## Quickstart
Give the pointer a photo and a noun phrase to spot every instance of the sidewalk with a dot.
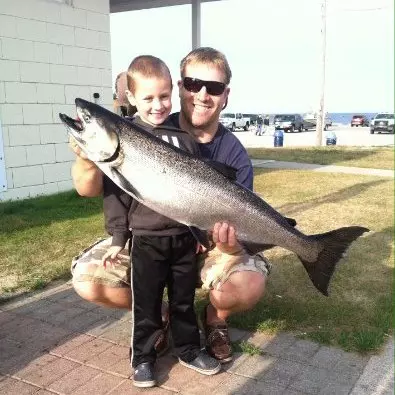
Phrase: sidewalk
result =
(55, 342)
(274, 164)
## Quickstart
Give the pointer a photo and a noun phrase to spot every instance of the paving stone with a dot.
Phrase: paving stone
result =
(14, 356)
(336, 388)
(74, 379)
(40, 336)
(263, 388)
(238, 334)
(43, 392)
(311, 380)
(64, 316)
(50, 293)
(238, 359)
(260, 339)
(9, 328)
(46, 311)
(282, 372)
(109, 357)
(301, 350)
(81, 322)
(11, 386)
(18, 302)
(101, 384)
(30, 308)
(101, 326)
(6, 317)
(119, 333)
(352, 361)
(278, 344)
(326, 357)
(255, 366)
(233, 384)
(203, 384)
(71, 297)
(127, 388)
(88, 350)
(46, 370)
(121, 368)
(71, 343)
(64, 295)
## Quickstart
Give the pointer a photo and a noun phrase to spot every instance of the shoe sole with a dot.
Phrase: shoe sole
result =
(202, 371)
(144, 384)
(225, 360)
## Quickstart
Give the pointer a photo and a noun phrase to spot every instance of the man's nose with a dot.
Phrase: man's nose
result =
(202, 94)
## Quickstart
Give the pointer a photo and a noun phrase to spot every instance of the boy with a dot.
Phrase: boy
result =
(162, 251)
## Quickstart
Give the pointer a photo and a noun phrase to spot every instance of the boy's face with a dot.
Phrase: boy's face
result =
(152, 97)
(202, 109)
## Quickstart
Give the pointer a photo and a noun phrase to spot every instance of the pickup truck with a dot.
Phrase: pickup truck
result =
(383, 122)
(234, 121)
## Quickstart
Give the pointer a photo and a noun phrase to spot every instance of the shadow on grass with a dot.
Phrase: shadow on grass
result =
(19, 215)
(333, 198)
(357, 315)
(318, 155)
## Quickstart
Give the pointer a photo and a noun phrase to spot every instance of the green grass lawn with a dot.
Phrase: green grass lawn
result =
(378, 158)
(39, 237)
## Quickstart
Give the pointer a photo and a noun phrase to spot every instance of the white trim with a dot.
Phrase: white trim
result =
(3, 176)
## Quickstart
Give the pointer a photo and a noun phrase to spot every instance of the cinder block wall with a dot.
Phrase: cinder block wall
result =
(50, 53)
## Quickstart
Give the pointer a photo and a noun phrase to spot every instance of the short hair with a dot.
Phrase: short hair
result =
(149, 67)
(120, 88)
(207, 55)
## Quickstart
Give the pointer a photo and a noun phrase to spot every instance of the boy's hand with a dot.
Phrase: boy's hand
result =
(224, 237)
(110, 257)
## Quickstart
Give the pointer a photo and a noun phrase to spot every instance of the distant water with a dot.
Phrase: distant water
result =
(345, 117)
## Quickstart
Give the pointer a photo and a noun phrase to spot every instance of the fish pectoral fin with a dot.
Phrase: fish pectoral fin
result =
(201, 236)
(226, 170)
(123, 183)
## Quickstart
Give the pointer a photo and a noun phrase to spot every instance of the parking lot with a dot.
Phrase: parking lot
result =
(346, 135)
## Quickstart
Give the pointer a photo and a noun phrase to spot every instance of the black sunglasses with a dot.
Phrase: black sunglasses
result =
(194, 85)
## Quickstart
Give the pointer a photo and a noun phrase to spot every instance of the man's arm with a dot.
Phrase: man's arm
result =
(87, 178)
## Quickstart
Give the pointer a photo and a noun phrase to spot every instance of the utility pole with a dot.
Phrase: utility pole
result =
(321, 111)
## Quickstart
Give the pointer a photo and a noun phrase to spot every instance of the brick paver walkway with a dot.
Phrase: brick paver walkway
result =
(54, 342)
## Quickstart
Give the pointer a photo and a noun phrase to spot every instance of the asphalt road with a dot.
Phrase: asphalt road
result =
(346, 135)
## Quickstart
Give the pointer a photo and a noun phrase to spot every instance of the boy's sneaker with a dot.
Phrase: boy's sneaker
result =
(203, 363)
(217, 339)
(143, 376)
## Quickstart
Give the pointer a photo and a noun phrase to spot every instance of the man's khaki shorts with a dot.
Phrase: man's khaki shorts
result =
(87, 266)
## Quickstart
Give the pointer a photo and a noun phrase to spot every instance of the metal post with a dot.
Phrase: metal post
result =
(321, 111)
(195, 24)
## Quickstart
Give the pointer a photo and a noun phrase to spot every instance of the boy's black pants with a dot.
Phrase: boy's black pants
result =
(157, 261)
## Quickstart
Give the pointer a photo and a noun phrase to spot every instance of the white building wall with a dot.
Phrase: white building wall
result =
(51, 51)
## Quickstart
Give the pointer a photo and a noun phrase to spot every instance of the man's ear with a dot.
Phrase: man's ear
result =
(179, 84)
(226, 98)
(130, 97)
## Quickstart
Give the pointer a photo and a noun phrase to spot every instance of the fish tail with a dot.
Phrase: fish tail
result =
(334, 245)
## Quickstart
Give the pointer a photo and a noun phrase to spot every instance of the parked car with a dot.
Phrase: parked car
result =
(289, 122)
(383, 122)
(234, 121)
(359, 120)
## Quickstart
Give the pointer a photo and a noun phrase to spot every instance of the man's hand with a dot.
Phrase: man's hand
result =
(111, 256)
(224, 237)
(76, 148)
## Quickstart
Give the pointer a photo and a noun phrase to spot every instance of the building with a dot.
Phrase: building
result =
(51, 51)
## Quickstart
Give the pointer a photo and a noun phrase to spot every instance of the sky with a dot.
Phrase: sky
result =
(274, 48)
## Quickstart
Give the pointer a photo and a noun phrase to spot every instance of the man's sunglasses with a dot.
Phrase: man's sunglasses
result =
(194, 85)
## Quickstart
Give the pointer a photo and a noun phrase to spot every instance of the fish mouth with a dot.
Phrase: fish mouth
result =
(74, 124)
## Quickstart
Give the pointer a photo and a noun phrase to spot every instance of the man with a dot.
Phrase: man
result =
(203, 92)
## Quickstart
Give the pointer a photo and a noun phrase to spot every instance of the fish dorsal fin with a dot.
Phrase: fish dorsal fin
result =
(226, 170)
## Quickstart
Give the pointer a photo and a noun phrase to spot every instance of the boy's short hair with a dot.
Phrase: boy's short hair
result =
(207, 55)
(147, 66)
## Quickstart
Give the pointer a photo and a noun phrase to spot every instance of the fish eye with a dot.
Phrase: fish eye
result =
(86, 117)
